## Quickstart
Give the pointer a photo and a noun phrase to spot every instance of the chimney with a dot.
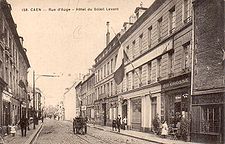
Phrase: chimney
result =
(21, 40)
(107, 34)
(140, 10)
(127, 25)
(132, 18)
(90, 71)
(122, 31)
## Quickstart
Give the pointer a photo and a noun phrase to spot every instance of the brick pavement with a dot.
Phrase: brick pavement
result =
(142, 135)
(18, 139)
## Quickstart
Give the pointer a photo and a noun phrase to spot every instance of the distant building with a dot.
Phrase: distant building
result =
(13, 70)
(60, 114)
(78, 98)
(70, 102)
(90, 96)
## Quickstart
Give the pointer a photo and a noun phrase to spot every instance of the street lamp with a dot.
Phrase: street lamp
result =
(34, 80)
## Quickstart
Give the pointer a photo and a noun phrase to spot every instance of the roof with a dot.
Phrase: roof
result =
(138, 8)
(149, 11)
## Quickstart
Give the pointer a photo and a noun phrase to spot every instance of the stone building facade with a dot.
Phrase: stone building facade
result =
(106, 105)
(174, 69)
(13, 67)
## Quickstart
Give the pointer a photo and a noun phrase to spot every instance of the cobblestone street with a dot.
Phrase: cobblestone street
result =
(60, 132)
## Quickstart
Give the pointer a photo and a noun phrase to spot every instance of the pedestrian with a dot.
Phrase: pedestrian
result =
(13, 130)
(125, 122)
(23, 125)
(42, 119)
(114, 124)
(118, 123)
(164, 129)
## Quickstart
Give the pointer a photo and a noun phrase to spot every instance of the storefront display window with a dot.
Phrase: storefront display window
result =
(136, 114)
(154, 107)
(210, 119)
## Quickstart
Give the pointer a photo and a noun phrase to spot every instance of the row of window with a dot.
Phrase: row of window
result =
(106, 69)
(151, 72)
(133, 50)
(146, 74)
(9, 59)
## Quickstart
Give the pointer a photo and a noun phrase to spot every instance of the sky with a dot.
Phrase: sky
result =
(65, 43)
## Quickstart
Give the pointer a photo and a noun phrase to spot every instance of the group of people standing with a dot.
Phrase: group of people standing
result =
(119, 123)
(23, 124)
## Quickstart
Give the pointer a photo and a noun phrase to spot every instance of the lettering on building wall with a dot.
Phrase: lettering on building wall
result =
(175, 83)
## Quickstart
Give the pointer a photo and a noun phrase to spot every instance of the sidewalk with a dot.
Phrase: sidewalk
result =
(18, 139)
(141, 135)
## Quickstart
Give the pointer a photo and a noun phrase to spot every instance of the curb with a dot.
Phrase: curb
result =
(127, 135)
(138, 137)
(34, 135)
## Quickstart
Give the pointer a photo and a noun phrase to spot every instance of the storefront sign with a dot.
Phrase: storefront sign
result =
(175, 83)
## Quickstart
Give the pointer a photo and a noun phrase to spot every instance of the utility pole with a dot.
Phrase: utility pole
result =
(34, 101)
(34, 112)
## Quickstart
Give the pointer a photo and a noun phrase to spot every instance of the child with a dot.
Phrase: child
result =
(13, 130)
(164, 129)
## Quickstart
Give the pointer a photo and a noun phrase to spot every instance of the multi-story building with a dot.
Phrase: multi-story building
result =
(85, 96)
(13, 68)
(174, 69)
(60, 114)
(78, 100)
(69, 100)
(90, 96)
(106, 105)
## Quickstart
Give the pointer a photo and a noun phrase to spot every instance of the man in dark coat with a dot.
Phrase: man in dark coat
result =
(23, 125)
(114, 123)
(118, 123)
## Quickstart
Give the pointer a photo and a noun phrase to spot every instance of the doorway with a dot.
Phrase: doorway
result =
(104, 113)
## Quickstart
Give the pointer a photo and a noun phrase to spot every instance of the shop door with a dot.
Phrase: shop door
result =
(124, 111)
(104, 113)
(6, 113)
(153, 107)
(177, 107)
(136, 114)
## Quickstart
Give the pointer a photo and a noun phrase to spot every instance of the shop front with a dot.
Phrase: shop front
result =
(101, 111)
(112, 109)
(6, 113)
(177, 98)
(136, 113)
(90, 113)
(208, 118)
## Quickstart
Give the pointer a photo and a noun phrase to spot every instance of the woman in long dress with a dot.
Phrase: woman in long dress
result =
(164, 129)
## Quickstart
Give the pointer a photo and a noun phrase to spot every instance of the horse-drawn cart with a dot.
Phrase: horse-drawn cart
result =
(79, 125)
